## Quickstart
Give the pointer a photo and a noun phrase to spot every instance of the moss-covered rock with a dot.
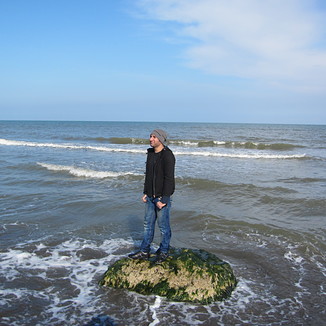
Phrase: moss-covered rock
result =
(187, 275)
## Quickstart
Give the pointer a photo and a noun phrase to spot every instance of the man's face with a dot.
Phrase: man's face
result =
(154, 141)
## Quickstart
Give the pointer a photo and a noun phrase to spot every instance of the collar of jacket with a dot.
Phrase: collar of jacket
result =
(151, 150)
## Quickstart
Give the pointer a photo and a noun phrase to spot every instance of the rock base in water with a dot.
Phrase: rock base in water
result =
(187, 275)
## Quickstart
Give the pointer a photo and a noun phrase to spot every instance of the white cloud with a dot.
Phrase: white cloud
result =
(274, 41)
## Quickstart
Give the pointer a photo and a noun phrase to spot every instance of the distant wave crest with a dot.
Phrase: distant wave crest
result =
(122, 140)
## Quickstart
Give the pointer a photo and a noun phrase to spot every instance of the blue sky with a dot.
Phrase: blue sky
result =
(163, 60)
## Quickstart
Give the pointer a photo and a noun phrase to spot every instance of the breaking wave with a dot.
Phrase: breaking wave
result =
(234, 144)
(141, 151)
(67, 146)
(195, 143)
(204, 143)
(86, 173)
(243, 156)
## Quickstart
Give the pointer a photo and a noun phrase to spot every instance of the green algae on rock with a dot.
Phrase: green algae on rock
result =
(188, 275)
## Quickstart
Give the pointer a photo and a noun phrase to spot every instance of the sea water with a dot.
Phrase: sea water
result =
(70, 205)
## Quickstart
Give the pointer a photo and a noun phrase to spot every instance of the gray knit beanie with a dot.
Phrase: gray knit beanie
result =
(161, 135)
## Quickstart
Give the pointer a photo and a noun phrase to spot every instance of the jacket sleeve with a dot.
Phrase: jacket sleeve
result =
(168, 177)
(146, 175)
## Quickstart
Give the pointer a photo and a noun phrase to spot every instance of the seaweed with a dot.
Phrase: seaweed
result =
(187, 275)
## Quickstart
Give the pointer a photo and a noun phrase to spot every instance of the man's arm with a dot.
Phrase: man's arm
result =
(168, 181)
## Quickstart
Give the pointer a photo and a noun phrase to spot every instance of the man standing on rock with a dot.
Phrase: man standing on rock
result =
(158, 187)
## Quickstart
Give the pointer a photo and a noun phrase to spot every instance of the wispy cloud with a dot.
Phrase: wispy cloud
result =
(273, 41)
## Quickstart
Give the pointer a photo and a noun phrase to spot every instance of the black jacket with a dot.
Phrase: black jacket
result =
(159, 177)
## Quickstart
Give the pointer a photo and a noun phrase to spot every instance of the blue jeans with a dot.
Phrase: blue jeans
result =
(152, 213)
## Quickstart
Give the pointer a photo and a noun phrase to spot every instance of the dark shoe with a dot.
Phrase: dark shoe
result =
(139, 255)
(161, 257)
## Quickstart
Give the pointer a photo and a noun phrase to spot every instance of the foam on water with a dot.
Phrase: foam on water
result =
(241, 156)
(87, 173)
(153, 308)
(71, 264)
(45, 267)
(62, 277)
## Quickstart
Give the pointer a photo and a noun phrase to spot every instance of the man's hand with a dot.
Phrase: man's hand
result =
(160, 205)
(144, 199)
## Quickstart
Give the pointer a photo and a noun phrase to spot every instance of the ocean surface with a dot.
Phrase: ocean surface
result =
(70, 205)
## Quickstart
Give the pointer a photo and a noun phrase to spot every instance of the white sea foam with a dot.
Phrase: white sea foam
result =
(241, 156)
(64, 262)
(293, 257)
(80, 272)
(153, 308)
(86, 173)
